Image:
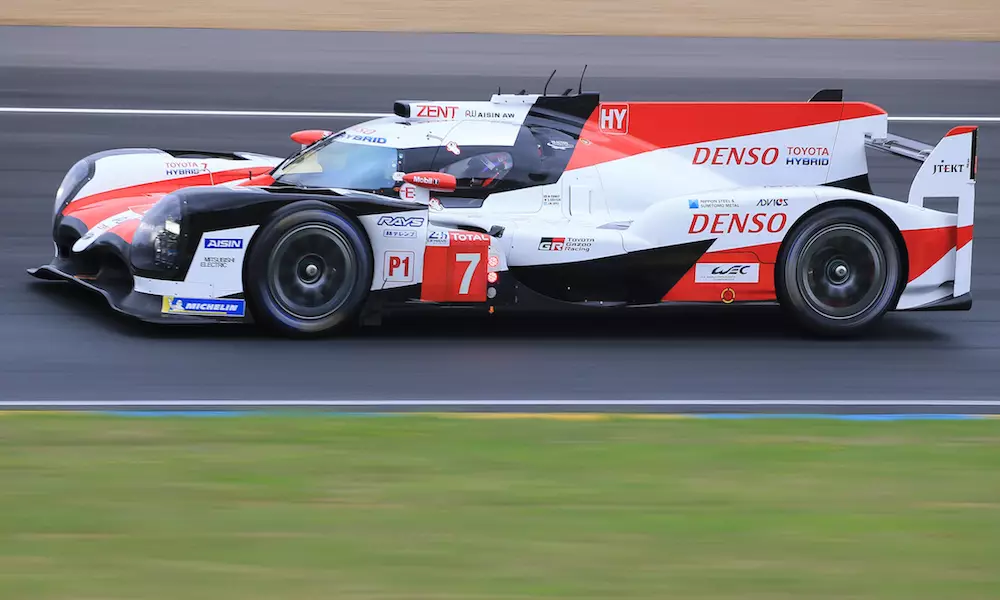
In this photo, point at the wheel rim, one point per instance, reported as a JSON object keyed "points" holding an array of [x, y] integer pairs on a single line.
{"points": [[311, 271], [842, 271]]}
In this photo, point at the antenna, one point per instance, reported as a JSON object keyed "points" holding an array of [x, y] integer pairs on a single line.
{"points": [[580, 89], [546, 90]]}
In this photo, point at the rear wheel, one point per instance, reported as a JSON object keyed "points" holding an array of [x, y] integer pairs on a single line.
{"points": [[309, 272], [839, 272]]}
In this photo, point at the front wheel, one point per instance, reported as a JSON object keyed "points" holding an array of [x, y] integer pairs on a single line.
{"points": [[839, 272], [309, 272]]}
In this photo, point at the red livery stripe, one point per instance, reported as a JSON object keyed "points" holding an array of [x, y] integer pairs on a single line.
{"points": [[927, 246], [656, 125]]}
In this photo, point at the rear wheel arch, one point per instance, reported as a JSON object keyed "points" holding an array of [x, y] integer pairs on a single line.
{"points": [[789, 287], [904, 257]]}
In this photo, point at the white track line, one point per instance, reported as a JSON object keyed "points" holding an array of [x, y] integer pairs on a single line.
{"points": [[15, 404], [349, 115]]}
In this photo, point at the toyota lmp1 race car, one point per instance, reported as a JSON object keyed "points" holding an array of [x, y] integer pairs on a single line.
{"points": [[529, 201]]}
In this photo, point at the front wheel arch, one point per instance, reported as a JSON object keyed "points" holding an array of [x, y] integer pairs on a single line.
{"points": [[261, 247]]}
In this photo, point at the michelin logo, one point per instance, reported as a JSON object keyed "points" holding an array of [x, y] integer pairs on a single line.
{"points": [[204, 307], [226, 243]]}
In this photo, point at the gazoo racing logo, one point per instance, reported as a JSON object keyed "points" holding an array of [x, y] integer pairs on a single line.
{"points": [[721, 223], [224, 243], [724, 156], [388, 221]]}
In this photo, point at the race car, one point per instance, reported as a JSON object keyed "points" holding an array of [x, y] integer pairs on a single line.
{"points": [[529, 201]]}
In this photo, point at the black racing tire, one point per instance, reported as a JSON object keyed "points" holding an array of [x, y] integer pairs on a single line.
{"points": [[309, 272], [839, 272]]}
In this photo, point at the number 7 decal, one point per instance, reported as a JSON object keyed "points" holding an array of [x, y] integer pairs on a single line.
{"points": [[456, 272], [473, 259]]}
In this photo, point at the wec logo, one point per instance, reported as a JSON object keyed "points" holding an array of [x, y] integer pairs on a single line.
{"points": [[732, 270], [727, 273], [401, 221]]}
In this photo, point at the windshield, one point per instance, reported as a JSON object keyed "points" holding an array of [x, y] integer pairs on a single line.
{"points": [[334, 163]]}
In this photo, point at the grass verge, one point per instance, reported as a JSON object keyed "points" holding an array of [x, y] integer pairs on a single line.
{"points": [[423, 507]]}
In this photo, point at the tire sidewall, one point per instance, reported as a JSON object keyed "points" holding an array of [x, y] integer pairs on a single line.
{"points": [[791, 295], [261, 302]]}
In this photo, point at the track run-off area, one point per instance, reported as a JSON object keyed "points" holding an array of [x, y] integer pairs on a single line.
{"points": [[66, 92]]}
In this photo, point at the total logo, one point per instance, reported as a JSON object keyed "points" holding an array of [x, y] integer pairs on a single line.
{"points": [[721, 223], [468, 236]]}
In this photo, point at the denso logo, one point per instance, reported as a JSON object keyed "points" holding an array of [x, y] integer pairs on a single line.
{"points": [[735, 156], [737, 223], [401, 221], [431, 111], [228, 243]]}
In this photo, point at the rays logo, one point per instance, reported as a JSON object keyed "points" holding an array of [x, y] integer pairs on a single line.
{"points": [[401, 221]]}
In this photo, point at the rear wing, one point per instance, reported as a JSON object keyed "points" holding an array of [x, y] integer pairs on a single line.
{"points": [[948, 171]]}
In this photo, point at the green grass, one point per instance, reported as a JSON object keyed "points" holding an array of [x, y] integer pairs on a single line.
{"points": [[96, 507]]}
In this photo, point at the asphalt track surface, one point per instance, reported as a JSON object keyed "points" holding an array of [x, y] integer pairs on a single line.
{"points": [[62, 344]]}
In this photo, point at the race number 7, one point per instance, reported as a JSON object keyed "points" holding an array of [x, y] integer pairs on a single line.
{"points": [[473, 259]]}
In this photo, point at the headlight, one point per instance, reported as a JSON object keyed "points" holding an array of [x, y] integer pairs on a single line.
{"points": [[156, 245], [78, 175]]}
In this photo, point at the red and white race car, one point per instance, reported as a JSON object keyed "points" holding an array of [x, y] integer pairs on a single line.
{"points": [[529, 201]]}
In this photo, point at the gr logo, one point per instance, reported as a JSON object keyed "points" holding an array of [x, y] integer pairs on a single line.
{"points": [[552, 244], [387, 221]]}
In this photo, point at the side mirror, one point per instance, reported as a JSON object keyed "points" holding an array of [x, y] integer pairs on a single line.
{"points": [[308, 137], [431, 180]]}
